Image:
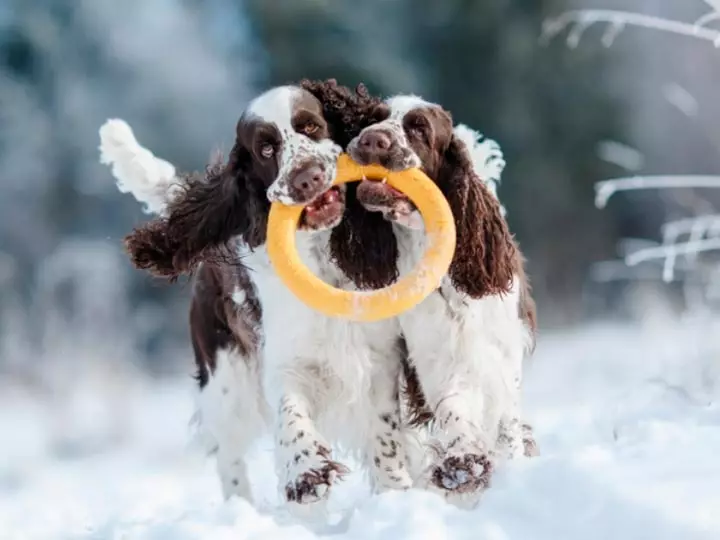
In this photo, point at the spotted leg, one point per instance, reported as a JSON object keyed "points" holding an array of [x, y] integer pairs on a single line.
{"points": [[515, 438], [465, 463], [303, 459], [386, 453], [456, 383]]}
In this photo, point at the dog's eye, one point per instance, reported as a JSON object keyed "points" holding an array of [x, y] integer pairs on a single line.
{"points": [[267, 150], [310, 128]]}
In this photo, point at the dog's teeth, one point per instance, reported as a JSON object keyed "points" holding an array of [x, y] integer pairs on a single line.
{"points": [[384, 180]]}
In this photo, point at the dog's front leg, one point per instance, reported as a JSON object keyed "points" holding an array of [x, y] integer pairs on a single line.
{"points": [[305, 468]]}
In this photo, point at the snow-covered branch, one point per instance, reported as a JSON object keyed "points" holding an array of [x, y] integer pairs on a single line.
{"points": [[620, 154], [607, 188], [608, 271], [696, 227], [577, 21], [671, 252], [700, 233]]}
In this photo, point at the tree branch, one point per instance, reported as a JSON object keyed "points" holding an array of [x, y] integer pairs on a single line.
{"points": [[577, 21]]}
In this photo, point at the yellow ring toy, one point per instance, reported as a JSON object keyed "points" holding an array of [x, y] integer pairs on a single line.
{"points": [[381, 303]]}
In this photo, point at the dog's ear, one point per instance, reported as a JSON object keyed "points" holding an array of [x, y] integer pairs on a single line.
{"points": [[346, 111], [485, 256], [363, 245], [212, 209]]}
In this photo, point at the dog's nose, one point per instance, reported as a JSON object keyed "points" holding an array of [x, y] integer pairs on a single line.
{"points": [[308, 182], [375, 141]]}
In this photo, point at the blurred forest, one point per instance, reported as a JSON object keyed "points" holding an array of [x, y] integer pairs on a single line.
{"points": [[181, 71]]}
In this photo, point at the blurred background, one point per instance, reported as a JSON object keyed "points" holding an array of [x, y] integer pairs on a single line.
{"points": [[181, 71]]}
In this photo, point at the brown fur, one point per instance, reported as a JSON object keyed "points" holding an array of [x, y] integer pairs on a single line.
{"points": [[485, 257], [485, 254], [346, 110], [229, 201], [212, 210], [419, 413], [526, 305], [363, 245], [217, 322]]}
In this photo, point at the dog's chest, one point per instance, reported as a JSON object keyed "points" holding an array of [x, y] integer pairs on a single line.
{"points": [[336, 345]]}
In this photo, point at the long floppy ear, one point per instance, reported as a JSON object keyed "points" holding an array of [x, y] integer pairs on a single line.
{"points": [[485, 256], [200, 222], [363, 246]]}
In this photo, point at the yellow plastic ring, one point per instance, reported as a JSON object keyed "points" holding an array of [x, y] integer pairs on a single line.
{"points": [[378, 304]]}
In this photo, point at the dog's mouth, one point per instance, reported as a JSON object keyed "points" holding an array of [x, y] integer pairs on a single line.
{"points": [[378, 195], [325, 211]]}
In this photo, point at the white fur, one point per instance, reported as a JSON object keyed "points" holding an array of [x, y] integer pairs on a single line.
{"points": [[465, 347], [393, 124], [467, 352], [231, 415], [327, 381], [276, 106], [339, 376], [319, 382], [486, 155], [331, 379], [402, 104], [151, 180]]}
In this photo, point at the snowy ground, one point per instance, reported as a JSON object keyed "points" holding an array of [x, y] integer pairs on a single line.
{"points": [[628, 423]]}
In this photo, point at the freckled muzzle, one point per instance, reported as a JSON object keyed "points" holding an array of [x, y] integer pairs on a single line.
{"points": [[307, 170], [307, 182], [384, 144]]}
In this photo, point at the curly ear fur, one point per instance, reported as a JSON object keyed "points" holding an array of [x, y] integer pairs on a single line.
{"points": [[363, 245], [485, 257], [201, 221], [345, 111]]}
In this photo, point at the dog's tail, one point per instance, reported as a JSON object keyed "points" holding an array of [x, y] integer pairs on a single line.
{"points": [[486, 156], [151, 180]]}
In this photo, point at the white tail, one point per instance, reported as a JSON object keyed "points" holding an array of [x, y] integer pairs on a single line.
{"points": [[149, 179]]}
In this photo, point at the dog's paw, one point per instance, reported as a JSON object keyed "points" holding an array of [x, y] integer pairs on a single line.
{"points": [[530, 446], [314, 484], [310, 474], [462, 473]]}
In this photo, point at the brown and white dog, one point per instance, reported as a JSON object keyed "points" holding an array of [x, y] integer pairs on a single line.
{"points": [[265, 360], [466, 341], [231, 315]]}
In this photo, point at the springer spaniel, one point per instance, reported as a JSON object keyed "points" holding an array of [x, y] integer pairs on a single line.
{"points": [[264, 359], [467, 340]]}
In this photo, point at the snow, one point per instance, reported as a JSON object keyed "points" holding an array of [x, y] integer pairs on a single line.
{"points": [[627, 420]]}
